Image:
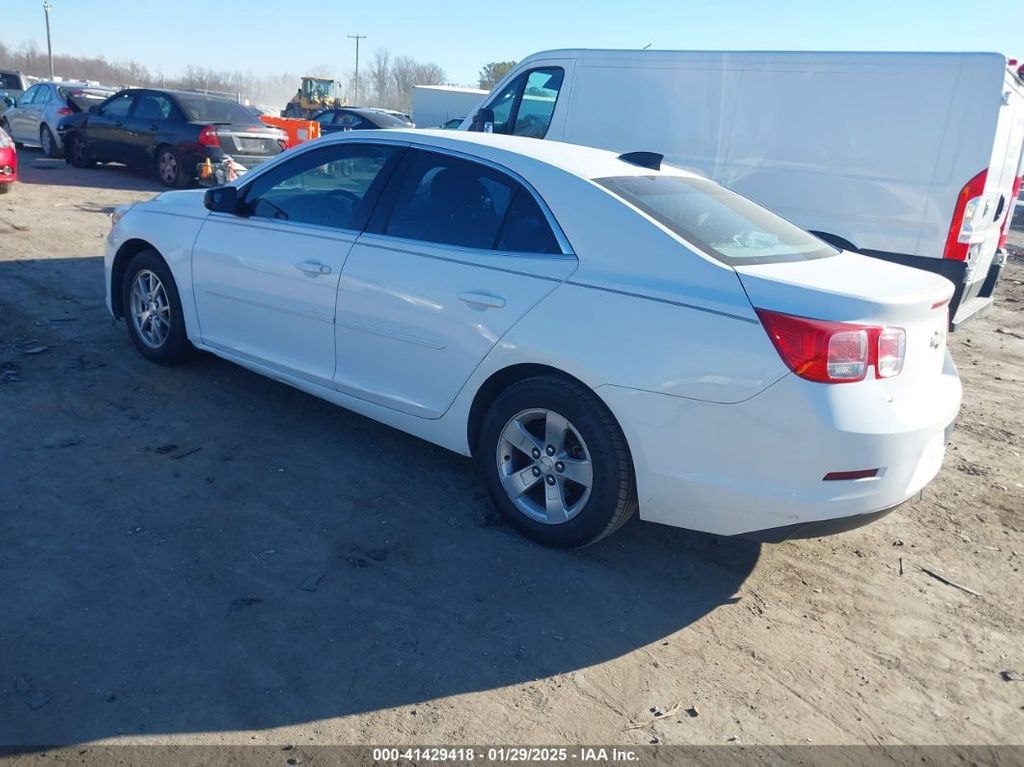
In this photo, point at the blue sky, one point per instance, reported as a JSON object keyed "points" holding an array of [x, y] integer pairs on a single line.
{"points": [[271, 36]]}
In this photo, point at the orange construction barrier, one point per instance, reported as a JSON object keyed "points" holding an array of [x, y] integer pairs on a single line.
{"points": [[298, 130]]}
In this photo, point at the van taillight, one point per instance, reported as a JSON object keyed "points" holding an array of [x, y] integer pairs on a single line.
{"points": [[208, 136], [958, 242], [1004, 233], [835, 352]]}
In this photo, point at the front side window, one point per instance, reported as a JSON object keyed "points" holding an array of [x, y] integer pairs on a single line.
{"points": [[723, 224], [325, 118], [350, 121], [451, 201], [119, 105], [333, 187], [537, 104], [525, 106], [29, 96]]}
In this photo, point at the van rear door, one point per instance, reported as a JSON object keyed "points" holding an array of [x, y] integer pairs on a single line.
{"points": [[981, 216]]}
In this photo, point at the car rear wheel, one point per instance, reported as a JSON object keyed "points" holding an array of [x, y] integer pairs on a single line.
{"points": [[152, 309], [555, 462], [169, 169], [48, 142], [78, 153]]}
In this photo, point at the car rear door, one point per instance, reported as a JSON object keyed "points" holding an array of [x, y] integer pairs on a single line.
{"points": [[456, 253], [147, 126], [265, 281]]}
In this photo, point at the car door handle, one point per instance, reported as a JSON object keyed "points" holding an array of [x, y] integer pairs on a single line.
{"points": [[313, 267], [479, 298]]}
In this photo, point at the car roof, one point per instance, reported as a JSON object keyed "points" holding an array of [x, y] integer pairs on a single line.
{"points": [[515, 152]]}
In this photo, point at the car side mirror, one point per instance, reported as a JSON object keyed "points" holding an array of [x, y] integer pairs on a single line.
{"points": [[8, 100], [223, 199], [483, 121]]}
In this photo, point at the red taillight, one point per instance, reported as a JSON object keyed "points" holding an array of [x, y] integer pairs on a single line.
{"points": [[65, 111], [958, 241], [208, 136], [835, 352], [1004, 233]]}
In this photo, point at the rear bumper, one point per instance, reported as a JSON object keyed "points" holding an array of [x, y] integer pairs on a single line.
{"points": [[758, 467]]}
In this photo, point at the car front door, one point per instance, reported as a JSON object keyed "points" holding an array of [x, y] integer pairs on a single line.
{"points": [[106, 133], [266, 281], [18, 117], [456, 253]]}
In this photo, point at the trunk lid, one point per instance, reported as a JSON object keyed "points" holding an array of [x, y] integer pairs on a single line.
{"points": [[858, 289], [249, 140]]}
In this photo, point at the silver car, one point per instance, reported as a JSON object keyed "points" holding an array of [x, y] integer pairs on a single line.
{"points": [[32, 120]]}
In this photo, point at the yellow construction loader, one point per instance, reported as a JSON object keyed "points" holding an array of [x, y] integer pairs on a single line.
{"points": [[314, 94]]}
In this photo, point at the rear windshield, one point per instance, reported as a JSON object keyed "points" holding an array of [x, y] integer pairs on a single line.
{"points": [[723, 224], [388, 120], [211, 110], [83, 98]]}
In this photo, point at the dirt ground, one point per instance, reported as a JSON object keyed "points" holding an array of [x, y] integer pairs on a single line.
{"points": [[201, 555]]}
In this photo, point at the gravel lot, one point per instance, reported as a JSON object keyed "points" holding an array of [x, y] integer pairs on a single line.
{"points": [[201, 555]]}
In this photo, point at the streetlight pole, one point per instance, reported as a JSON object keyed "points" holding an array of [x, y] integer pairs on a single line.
{"points": [[49, 47], [357, 38]]}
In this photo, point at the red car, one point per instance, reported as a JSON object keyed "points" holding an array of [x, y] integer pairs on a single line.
{"points": [[8, 163]]}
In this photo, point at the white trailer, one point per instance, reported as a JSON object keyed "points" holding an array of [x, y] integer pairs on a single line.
{"points": [[910, 157], [435, 105]]}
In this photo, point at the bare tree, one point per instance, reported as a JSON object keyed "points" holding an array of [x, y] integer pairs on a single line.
{"points": [[380, 76]]}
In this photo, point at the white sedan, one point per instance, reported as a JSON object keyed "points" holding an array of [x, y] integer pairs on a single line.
{"points": [[604, 333]]}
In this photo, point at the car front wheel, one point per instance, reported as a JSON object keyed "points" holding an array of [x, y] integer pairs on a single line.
{"points": [[555, 462], [152, 309], [78, 152]]}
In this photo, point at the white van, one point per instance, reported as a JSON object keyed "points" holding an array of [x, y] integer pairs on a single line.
{"points": [[910, 157]]}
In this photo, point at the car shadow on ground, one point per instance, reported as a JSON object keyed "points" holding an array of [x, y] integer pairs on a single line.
{"points": [[35, 168], [199, 548]]}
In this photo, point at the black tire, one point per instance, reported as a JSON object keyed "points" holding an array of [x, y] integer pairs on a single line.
{"points": [[48, 143], [613, 498], [175, 345], [5, 188], [78, 152], [169, 168]]}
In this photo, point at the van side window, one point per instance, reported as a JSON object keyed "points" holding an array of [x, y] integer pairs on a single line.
{"points": [[525, 106], [538, 102]]}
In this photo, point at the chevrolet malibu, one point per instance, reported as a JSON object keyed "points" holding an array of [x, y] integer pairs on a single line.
{"points": [[603, 333]]}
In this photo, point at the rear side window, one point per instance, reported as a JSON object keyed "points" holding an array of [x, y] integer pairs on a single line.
{"points": [[9, 82], [723, 224], [452, 201], [153, 106]]}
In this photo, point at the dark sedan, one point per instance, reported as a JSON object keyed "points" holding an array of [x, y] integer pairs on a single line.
{"points": [[357, 118], [172, 132]]}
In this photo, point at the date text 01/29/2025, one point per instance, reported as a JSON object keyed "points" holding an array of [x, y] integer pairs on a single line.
{"points": [[504, 754]]}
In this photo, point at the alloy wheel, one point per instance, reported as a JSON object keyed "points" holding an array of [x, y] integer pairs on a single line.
{"points": [[544, 466], [168, 168], [151, 311]]}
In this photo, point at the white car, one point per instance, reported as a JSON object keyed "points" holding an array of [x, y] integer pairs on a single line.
{"points": [[603, 333]]}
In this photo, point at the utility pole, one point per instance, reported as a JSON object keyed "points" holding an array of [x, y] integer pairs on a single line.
{"points": [[357, 38], [49, 48]]}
